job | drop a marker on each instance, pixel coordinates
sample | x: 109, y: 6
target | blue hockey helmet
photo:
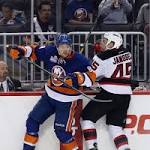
x: 63, y: 39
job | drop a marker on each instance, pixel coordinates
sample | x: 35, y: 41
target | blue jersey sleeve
x: 83, y: 63
x: 43, y: 53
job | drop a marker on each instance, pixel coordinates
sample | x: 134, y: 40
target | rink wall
x: 14, y: 109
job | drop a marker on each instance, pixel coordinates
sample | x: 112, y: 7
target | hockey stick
x: 92, y: 28
x: 89, y: 34
x: 51, y: 75
x: 27, y: 41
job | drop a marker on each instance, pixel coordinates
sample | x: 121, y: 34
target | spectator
x: 136, y: 6
x: 7, y: 83
x: 147, y: 32
x: 143, y: 17
x: 114, y: 11
x: 44, y: 22
x: 8, y: 17
x: 95, y: 5
x: 79, y: 12
x: 143, y: 24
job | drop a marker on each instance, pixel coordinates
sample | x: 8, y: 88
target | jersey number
x: 122, y: 71
x: 94, y: 65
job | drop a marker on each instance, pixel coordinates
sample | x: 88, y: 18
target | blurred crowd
x: 77, y: 15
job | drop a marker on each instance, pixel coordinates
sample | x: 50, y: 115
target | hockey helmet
x: 63, y: 39
x: 114, y: 37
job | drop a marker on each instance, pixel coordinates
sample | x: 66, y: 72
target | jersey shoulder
x: 52, y: 48
x: 111, y: 53
x: 81, y: 58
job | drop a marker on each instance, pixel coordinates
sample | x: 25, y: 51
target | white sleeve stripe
x: 29, y: 51
x: 89, y: 78
x: 29, y: 143
x: 87, y: 82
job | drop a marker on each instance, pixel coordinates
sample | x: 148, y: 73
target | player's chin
x: 64, y: 55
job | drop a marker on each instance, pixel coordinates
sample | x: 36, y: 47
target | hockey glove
x: 74, y: 78
x: 71, y: 80
x: 77, y: 79
x: 17, y: 52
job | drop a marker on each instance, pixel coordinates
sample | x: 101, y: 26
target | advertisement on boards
x: 14, y: 111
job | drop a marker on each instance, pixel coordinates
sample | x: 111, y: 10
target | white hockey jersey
x: 113, y: 69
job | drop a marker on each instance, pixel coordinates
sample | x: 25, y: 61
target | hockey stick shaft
x: 82, y: 93
x: 89, y: 34
x: 92, y: 28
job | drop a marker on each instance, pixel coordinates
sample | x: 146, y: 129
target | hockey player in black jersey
x: 112, y: 66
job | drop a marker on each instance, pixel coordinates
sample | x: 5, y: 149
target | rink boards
x: 14, y: 109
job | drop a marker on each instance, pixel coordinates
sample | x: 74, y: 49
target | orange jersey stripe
x: 71, y: 116
x: 80, y: 77
x: 92, y: 76
x: 62, y: 90
x: 30, y: 139
x: 70, y: 146
x: 33, y: 56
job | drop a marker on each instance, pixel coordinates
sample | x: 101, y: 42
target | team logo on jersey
x: 55, y: 59
x: 81, y: 14
x: 61, y: 61
x: 58, y: 73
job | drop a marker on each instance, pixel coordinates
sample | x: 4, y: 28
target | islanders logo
x: 81, y: 14
x: 57, y: 73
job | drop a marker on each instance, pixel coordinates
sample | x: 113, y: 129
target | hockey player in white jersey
x: 112, y: 66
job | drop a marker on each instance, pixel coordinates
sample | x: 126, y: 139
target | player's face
x: 64, y: 50
x: 104, y: 44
